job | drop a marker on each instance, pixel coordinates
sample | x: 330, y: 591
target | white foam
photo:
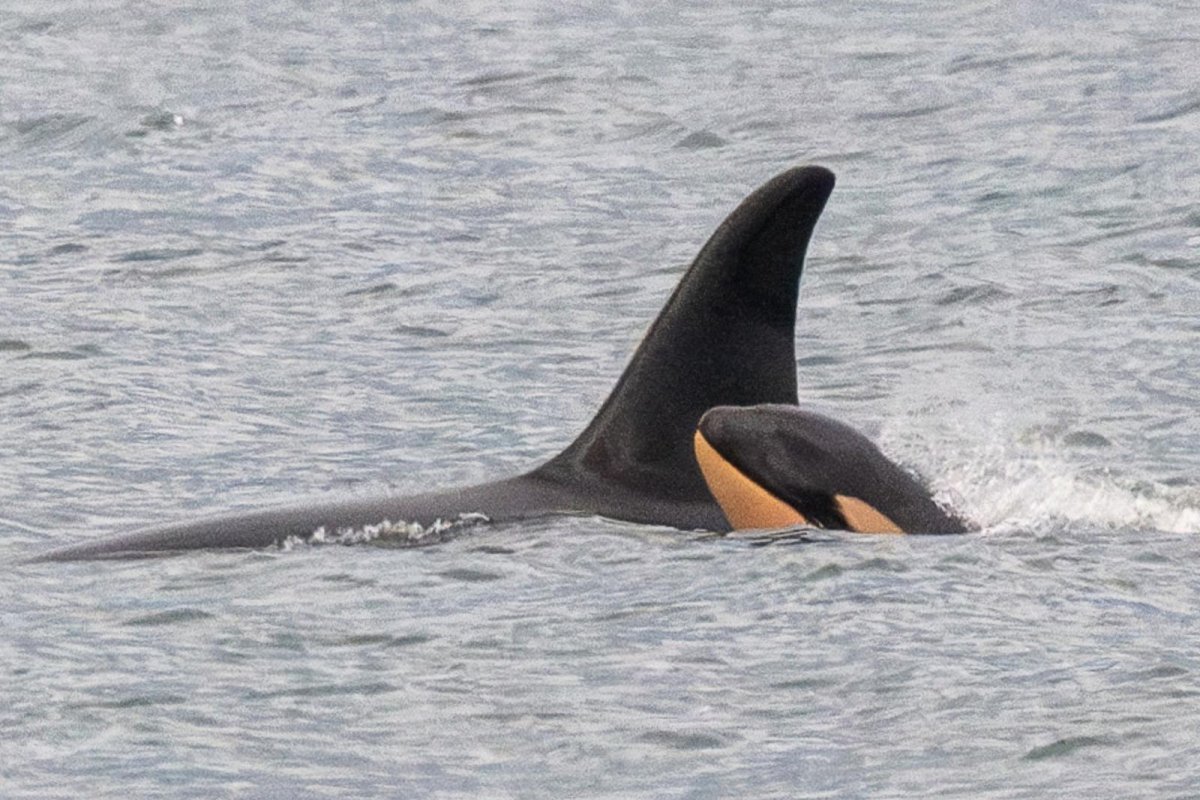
x: 405, y: 534
x: 1005, y: 485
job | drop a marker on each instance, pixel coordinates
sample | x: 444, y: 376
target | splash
x: 1037, y: 485
x: 394, y: 534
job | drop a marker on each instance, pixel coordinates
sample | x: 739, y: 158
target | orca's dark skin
x: 725, y: 337
x: 775, y: 466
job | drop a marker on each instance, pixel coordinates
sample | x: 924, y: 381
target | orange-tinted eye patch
x: 745, y: 503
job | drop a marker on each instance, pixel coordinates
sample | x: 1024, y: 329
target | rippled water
x: 250, y: 254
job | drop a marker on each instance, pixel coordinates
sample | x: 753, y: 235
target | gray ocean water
x: 257, y: 251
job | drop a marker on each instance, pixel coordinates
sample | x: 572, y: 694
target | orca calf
x: 777, y: 466
x: 726, y: 337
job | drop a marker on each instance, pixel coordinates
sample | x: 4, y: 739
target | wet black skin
x: 725, y: 337
x: 806, y: 459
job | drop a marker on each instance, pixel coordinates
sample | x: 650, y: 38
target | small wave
x: 388, y: 533
x: 159, y: 254
x: 700, y: 140
x: 160, y: 120
x: 903, y: 113
x: 49, y: 126
x: 172, y: 617
x: 77, y: 354
x: 1182, y: 109
x: 1063, y: 747
x: 495, y: 78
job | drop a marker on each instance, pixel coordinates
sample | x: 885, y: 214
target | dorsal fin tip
x: 726, y: 336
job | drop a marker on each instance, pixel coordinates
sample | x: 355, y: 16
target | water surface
x: 249, y: 254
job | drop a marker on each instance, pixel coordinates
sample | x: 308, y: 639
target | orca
x: 779, y: 466
x: 726, y: 337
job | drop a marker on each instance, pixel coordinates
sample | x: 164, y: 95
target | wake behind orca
x: 726, y: 337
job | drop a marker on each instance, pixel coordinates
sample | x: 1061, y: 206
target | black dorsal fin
x: 726, y: 337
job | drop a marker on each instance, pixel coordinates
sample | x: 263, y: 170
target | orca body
x: 776, y: 466
x: 725, y: 337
